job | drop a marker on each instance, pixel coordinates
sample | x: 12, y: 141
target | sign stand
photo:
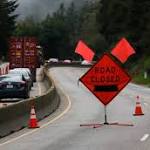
x: 105, y: 115
x: 98, y: 125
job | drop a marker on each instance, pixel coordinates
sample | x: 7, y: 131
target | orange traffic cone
x: 33, y: 121
x: 138, y: 108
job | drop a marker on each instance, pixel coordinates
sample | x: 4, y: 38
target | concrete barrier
x: 16, y: 117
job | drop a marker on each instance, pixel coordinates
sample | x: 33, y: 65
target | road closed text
x: 105, y: 75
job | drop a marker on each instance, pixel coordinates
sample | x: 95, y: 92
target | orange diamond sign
x: 105, y: 79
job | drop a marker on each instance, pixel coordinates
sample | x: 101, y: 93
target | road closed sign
x: 105, y: 79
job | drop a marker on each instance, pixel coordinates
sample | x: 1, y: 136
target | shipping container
x: 16, y: 52
x: 23, y: 53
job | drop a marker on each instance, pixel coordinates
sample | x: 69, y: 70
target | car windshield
x: 22, y: 72
x: 23, y: 69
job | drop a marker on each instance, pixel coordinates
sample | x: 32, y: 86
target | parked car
x: 24, y: 73
x: 53, y: 60
x: 13, y: 87
x: 26, y: 70
x: 68, y: 61
x: 85, y: 62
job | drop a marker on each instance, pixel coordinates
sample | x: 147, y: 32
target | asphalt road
x: 63, y: 131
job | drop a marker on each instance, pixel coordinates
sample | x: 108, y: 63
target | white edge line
x: 145, y: 104
x: 51, y: 121
x: 144, y: 137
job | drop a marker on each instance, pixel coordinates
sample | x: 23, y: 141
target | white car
x: 85, y: 62
x: 55, y: 60
x: 67, y: 61
x: 24, y: 73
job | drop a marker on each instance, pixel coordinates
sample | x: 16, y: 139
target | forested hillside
x: 7, y: 23
x: 130, y: 19
x: 30, y: 7
x: 99, y: 23
x: 60, y: 31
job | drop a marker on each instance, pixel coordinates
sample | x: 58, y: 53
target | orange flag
x: 122, y: 50
x: 84, y: 51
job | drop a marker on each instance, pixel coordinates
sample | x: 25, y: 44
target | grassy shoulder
x: 141, y: 80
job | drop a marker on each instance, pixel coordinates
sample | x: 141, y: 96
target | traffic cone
x: 33, y: 121
x: 138, y: 108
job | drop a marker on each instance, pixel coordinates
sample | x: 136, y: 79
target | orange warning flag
x: 84, y: 51
x: 122, y: 50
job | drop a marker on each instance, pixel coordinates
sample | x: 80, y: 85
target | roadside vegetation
x: 7, y: 23
x: 100, y: 24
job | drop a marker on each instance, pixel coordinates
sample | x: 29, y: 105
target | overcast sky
x: 39, y: 8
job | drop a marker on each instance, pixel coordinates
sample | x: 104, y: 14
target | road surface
x: 63, y: 131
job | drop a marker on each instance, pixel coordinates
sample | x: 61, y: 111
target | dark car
x: 29, y: 73
x: 13, y: 87
x: 24, y: 73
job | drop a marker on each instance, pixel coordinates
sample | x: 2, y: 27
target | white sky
x: 39, y: 8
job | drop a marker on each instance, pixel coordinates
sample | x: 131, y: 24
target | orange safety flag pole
x: 84, y: 51
x: 122, y: 50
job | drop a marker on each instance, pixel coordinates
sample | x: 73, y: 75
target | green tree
x: 113, y: 18
x: 27, y: 27
x: 7, y: 22
x: 72, y: 22
x: 54, y: 36
x: 141, y: 26
x: 89, y: 28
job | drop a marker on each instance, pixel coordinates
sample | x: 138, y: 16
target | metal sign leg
x: 106, y: 122
x: 97, y: 125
